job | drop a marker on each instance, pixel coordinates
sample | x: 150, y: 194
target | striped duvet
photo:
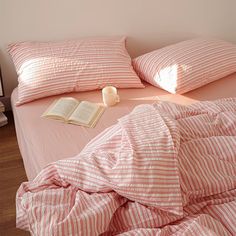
x: 164, y: 169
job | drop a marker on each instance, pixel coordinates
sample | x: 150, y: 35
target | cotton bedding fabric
x: 47, y: 140
x: 164, y: 169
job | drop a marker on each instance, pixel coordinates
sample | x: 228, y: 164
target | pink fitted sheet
x: 42, y: 140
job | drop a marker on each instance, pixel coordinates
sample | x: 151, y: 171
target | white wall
x: 147, y: 23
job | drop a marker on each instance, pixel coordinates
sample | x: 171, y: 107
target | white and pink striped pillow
x: 187, y: 65
x: 50, y: 68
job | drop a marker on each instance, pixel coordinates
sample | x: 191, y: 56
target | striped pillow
x: 50, y: 68
x: 187, y: 65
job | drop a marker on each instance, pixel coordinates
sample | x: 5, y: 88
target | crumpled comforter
x: 164, y: 169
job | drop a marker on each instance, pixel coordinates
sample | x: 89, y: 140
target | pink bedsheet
x: 42, y: 141
x: 165, y: 169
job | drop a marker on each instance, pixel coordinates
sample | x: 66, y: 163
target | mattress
x: 42, y: 141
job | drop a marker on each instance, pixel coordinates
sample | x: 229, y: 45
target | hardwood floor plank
x: 12, y: 174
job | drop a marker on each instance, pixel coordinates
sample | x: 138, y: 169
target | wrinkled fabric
x: 164, y: 169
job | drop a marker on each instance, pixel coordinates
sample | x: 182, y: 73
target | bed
x: 155, y: 164
x: 46, y: 140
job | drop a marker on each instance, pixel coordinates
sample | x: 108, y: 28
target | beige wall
x: 147, y: 23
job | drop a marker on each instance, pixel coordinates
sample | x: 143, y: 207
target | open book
x: 72, y: 111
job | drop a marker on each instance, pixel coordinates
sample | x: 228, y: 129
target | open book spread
x: 72, y: 111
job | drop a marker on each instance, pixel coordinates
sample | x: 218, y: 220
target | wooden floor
x: 12, y: 173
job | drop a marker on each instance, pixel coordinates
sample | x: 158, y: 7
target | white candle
x: 110, y: 96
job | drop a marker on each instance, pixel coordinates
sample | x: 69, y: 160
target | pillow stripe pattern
x: 187, y: 65
x: 50, y: 68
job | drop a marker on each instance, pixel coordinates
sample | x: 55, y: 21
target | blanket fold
x: 164, y: 169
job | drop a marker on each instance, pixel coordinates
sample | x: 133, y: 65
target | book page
x: 85, y: 112
x: 62, y: 108
x: 96, y: 117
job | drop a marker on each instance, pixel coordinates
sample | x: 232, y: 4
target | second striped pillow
x: 187, y: 65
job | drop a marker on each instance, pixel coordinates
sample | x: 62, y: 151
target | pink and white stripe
x: 164, y: 169
x: 50, y: 68
x: 187, y: 65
